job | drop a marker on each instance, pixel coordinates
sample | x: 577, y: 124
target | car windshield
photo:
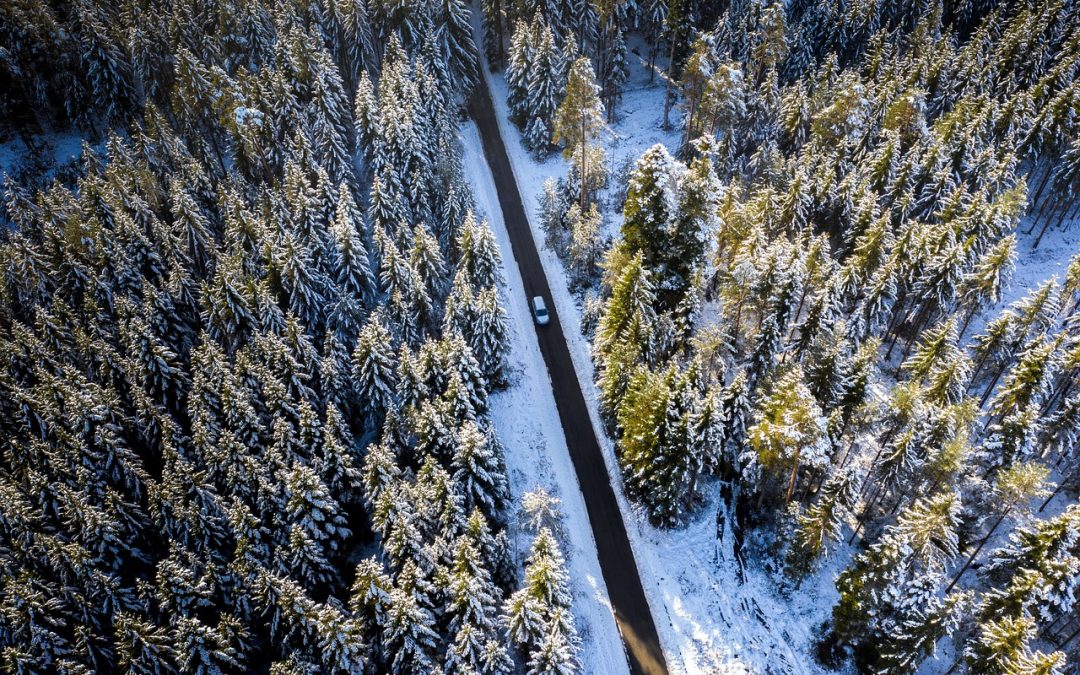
x: 541, y: 311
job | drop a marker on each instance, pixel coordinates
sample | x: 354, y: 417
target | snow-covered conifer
x: 543, y: 92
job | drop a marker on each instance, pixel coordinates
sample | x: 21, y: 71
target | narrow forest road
x: 632, y: 614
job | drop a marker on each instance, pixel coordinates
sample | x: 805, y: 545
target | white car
x: 540, y: 311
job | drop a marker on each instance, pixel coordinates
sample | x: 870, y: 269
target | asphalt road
x: 617, y: 564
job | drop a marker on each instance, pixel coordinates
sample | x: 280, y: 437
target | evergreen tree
x: 373, y: 370
x: 788, y: 434
x: 899, y: 575
x: 542, y: 607
x: 543, y: 92
x: 519, y: 72
x: 1002, y: 646
x: 821, y: 522
x: 1037, y: 572
x: 578, y: 121
x: 473, y: 620
x: 480, y: 471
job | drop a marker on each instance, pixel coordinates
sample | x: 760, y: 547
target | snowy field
x: 709, y: 619
x: 527, y: 424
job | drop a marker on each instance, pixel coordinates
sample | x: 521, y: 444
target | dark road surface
x: 620, y: 572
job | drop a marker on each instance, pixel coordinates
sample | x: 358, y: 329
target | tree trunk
x: 895, y: 321
x: 791, y: 483
x: 1069, y: 639
x: 976, y: 371
x: 1038, y: 193
x: 990, y: 389
x: 921, y: 320
x: 967, y: 322
x: 581, y: 178
x: 1060, y: 393
x: 978, y: 549
x: 668, y: 94
x: 1059, y: 488
x: 1046, y: 224
x: 798, y: 311
x: 865, y: 515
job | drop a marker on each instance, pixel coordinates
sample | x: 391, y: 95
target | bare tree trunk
x: 1038, y: 193
x: 668, y: 92
x: 791, y: 483
x: 865, y: 515
x: 978, y: 549
x: 990, y: 389
x: 1047, y: 223
x: 967, y: 322
x: 848, y: 455
x: 581, y: 178
x: 1069, y: 639
x: 895, y: 321
x: 1058, y: 489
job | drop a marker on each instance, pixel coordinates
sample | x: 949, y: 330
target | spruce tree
x: 1002, y: 646
x: 543, y: 92
x: 820, y: 523
x: 518, y: 72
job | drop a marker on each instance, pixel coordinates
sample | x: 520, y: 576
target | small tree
x: 1002, y: 647
x: 579, y: 119
x: 788, y: 433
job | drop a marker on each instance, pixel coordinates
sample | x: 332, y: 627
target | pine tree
x: 586, y: 246
x: 1013, y: 489
x: 1002, y: 647
x: 821, y: 522
x: 649, y: 220
x: 625, y: 334
x: 899, y: 574
x: 473, y: 620
x: 983, y: 286
x: 1037, y: 572
x: 1013, y: 425
x: 311, y: 507
x: 658, y: 448
x: 458, y: 48
x: 479, y: 253
x: 616, y: 70
x: 494, y: 23
x: 409, y: 636
x: 143, y: 647
x: 373, y: 370
x: 542, y: 607
x: 578, y: 121
x: 788, y: 434
x: 937, y: 345
x: 480, y: 472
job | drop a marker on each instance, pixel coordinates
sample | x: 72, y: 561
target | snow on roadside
x: 707, y: 621
x: 527, y: 423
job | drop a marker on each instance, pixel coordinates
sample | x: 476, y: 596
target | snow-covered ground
x: 1033, y: 267
x: 527, y: 423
